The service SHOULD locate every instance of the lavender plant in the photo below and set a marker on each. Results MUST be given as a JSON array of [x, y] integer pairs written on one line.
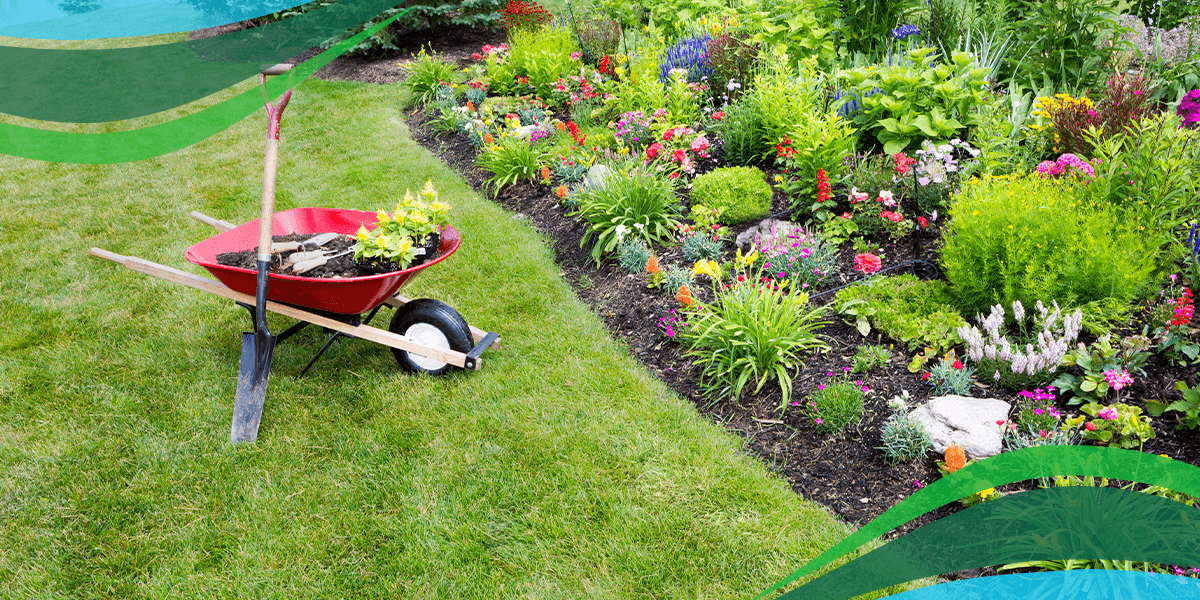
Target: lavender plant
[[1011, 366], [689, 54]]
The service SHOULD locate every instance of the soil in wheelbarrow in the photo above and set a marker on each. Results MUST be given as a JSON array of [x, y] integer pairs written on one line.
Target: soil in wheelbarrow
[[337, 268]]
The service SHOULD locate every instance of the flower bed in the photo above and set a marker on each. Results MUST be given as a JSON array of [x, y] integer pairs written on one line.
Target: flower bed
[[1015, 222]]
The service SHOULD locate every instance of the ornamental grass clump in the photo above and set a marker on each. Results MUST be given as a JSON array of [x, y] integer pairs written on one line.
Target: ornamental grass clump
[[1009, 364], [837, 403], [904, 438], [1033, 239], [630, 204], [751, 334]]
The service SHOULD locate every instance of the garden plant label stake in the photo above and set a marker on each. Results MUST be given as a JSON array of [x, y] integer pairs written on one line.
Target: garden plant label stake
[[257, 347]]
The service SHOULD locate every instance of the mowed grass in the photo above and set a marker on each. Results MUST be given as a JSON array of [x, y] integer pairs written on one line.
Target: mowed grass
[[561, 469]]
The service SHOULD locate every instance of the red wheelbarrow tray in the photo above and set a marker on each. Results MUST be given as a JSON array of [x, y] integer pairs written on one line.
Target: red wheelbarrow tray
[[347, 296]]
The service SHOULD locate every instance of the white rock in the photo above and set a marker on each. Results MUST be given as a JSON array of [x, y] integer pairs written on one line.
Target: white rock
[[762, 232], [969, 422], [597, 175]]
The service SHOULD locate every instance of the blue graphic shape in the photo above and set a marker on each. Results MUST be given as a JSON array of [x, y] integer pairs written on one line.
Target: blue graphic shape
[[93, 19], [1063, 585]]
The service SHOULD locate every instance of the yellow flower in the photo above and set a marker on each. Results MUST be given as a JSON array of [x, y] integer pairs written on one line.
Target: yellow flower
[[987, 492], [382, 217], [1164, 456], [746, 261], [428, 191], [707, 267], [439, 206]]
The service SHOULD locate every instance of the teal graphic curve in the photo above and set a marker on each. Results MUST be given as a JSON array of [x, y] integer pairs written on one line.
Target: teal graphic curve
[[1046, 524], [1063, 585], [148, 142], [100, 86], [92, 19], [1028, 463]]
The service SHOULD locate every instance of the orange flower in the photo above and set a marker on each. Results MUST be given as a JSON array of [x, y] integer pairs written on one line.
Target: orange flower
[[561, 191], [652, 266], [487, 138], [956, 458], [545, 172], [560, 126], [470, 105], [685, 296]]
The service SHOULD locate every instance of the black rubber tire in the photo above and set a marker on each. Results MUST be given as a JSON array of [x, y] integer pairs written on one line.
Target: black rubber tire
[[441, 316]]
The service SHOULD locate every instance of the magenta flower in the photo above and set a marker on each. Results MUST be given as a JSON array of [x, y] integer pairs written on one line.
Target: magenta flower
[[1108, 413], [1118, 379]]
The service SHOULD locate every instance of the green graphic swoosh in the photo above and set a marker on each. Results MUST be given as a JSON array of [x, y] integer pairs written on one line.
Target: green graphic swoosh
[[1029, 463], [100, 86], [148, 142], [1045, 524]]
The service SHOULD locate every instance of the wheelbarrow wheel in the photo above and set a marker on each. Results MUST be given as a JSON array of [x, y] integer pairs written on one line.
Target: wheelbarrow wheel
[[431, 323]]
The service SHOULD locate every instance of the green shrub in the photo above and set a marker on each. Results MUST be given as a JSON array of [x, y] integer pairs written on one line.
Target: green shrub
[[425, 75], [630, 203], [1031, 239], [741, 132], [544, 56], [752, 334], [916, 312], [870, 357], [918, 99], [739, 194]]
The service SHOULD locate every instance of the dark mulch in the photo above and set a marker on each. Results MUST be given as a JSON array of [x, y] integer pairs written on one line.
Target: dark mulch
[[844, 472]]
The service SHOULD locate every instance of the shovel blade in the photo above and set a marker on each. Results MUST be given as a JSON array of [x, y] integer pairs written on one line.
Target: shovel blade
[[253, 372]]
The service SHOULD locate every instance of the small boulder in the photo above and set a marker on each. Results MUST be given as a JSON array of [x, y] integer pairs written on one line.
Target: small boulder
[[596, 176], [969, 422], [763, 231]]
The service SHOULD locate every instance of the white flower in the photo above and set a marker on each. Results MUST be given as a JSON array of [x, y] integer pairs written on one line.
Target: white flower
[[639, 226], [733, 85], [621, 229]]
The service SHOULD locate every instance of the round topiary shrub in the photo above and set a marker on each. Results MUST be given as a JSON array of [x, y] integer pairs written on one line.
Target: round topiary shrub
[[738, 194]]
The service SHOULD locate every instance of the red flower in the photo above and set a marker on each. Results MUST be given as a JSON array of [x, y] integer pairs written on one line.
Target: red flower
[[824, 192], [903, 163], [1000, 422], [867, 263], [477, 56], [1042, 432], [678, 155], [891, 216], [603, 68], [717, 116], [846, 215], [668, 134], [674, 175], [653, 150], [1090, 426], [923, 222], [957, 365], [925, 375]]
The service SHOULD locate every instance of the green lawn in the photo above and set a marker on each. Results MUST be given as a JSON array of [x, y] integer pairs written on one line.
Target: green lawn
[[561, 469]]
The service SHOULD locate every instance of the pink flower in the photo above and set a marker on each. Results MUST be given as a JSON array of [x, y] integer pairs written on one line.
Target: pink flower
[[918, 484], [818, 421], [1090, 426], [574, 56], [653, 150], [668, 134], [717, 116], [1117, 379], [699, 145], [857, 196], [1108, 413], [477, 56], [867, 263], [673, 176], [821, 386], [1000, 422], [887, 198], [678, 155]]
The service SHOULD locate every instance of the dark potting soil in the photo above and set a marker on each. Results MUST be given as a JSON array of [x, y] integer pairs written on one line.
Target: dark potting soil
[[336, 268]]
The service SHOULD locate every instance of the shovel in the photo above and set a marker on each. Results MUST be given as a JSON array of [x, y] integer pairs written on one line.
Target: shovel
[[310, 244], [255, 367]]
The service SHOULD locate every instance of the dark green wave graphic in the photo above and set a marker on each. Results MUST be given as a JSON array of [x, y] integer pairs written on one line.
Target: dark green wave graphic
[[148, 142], [1029, 463], [1046, 524], [99, 86]]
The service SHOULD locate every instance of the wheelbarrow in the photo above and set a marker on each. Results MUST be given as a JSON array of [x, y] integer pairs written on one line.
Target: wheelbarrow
[[425, 335]]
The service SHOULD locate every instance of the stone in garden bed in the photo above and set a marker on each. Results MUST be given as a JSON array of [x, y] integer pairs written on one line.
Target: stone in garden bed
[[762, 231], [969, 422]]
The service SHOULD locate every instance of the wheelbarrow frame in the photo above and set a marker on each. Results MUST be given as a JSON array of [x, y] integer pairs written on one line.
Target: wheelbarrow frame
[[347, 325]]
